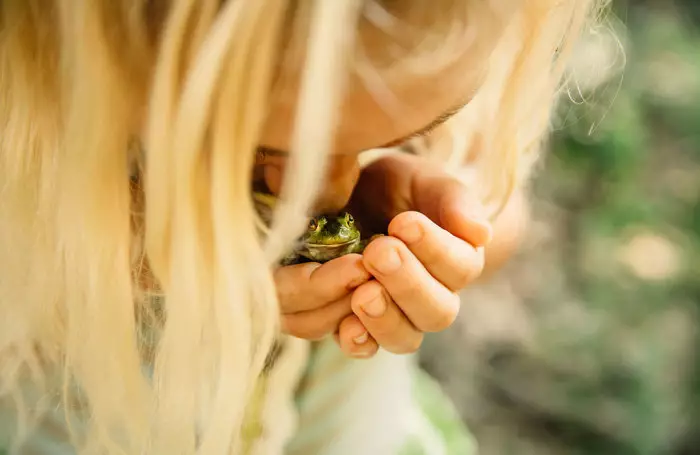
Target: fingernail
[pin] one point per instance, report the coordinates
(411, 233)
(389, 262)
(374, 308)
(362, 339)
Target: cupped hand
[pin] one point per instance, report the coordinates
(315, 298)
(437, 230)
(407, 282)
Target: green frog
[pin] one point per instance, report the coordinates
(327, 236)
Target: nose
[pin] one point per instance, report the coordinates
(337, 185)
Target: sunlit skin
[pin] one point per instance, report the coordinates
(406, 283)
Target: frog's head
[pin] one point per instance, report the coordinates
(328, 230)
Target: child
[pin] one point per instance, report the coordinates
(141, 310)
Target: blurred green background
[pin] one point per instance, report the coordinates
(587, 342)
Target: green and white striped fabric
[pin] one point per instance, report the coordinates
(383, 406)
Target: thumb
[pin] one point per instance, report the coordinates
(453, 206)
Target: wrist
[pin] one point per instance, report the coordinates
(509, 229)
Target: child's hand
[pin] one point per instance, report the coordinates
(437, 231)
(314, 298)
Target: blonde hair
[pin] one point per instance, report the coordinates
(84, 247)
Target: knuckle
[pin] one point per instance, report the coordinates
(287, 297)
(364, 294)
(465, 278)
(478, 263)
(411, 288)
(471, 269)
(445, 316)
(388, 327)
(306, 331)
(315, 335)
(295, 281)
(410, 345)
(433, 254)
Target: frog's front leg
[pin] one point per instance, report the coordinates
(290, 259)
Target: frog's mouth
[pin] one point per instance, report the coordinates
(330, 246)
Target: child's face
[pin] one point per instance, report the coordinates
(423, 103)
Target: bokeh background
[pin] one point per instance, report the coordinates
(587, 342)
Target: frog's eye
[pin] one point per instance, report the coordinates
(349, 219)
(313, 225)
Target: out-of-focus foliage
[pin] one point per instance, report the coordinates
(588, 342)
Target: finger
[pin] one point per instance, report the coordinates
(429, 305)
(450, 204)
(401, 182)
(384, 320)
(354, 340)
(315, 324)
(449, 259)
(305, 287)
